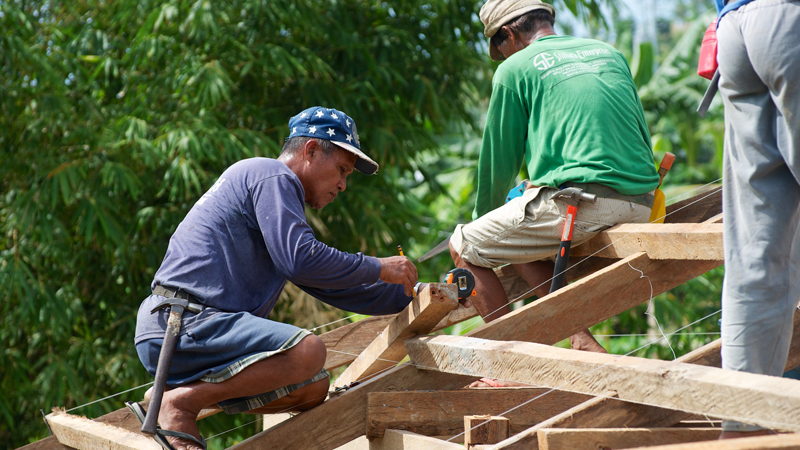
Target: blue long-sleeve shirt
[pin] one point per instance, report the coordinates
(247, 236)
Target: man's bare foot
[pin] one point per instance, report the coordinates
(584, 341)
(177, 415)
(744, 434)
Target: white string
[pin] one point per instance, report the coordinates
(584, 374)
(111, 396)
(651, 304)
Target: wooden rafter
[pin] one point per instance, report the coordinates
(440, 413)
(758, 399)
(419, 317)
(595, 438)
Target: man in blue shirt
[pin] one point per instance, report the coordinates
(234, 252)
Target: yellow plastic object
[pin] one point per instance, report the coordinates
(659, 211)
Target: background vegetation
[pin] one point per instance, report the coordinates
(116, 116)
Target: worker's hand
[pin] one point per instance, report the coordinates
(399, 270)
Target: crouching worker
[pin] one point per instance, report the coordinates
(569, 108)
(231, 257)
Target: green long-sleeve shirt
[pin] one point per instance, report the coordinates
(569, 107)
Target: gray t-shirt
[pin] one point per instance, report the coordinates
(246, 236)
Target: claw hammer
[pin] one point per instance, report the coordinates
(572, 196)
(176, 308)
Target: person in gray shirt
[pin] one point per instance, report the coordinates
(759, 66)
(233, 253)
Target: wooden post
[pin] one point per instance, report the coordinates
(485, 429)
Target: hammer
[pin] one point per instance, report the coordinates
(572, 196)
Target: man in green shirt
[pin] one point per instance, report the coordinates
(569, 108)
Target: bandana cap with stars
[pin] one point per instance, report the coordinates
(335, 126)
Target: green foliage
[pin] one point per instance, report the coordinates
(116, 116)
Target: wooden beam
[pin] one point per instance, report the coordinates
(419, 317)
(549, 320)
(595, 438)
(343, 418)
(758, 399)
(440, 413)
(587, 302)
(697, 209)
(660, 241)
(780, 442)
(612, 412)
(485, 429)
(86, 434)
(345, 343)
(406, 440)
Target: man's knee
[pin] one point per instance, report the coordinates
(309, 355)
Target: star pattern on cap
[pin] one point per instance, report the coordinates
(349, 138)
(294, 130)
(303, 115)
(312, 130)
(319, 114)
(347, 122)
(334, 115)
(330, 132)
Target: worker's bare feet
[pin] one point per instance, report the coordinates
(584, 341)
(744, 434)
(177, 415)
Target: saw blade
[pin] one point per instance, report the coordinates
(444, 245)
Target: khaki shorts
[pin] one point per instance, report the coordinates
(528, 228)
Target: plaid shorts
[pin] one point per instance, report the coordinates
(217, 345)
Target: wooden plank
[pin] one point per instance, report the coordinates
(612, 412)
(419, 317)
(617, 438)
(406, 440)
(587, 302)
(485, 429)
(660, 241)
(345, 343)
(85, 434)
(758, 399)
(779, 442)
(342, 419)
(697, 209)
(549, 320)
(440, 413)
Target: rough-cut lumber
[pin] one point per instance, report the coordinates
(440, 413)
(593, 299)
(660, 241)
(485, 429)
(595, 438)
(608, 411)
(780, 442)
(85, 434)
(345, 343)
(547, 321)
(343, 418)
(406, 440)
(758, 399)
(697, 209)
(361, 443)
(419, 317)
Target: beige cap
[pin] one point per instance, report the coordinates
(496, 13)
